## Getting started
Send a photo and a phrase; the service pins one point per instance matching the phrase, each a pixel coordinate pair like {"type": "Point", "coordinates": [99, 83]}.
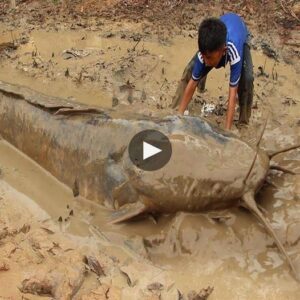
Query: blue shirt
{"type": "Point", "coordinates": [237, 35]}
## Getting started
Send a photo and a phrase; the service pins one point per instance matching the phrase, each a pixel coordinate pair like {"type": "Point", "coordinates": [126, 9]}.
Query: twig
{"type": "Point", "coordinates": [265, 65]}
{"type": "Point", "coordinates": [136, 44]}
{"type": "Point", "coordinates": [288, 10]}
{"type": "Point", "coordinates": [282, 6]}
{"type": "Point", "coordinates": [12, 37]}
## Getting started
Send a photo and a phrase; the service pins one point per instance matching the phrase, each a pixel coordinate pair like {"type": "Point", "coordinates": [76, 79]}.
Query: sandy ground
{"type": "Point", "coordinates": [129, 55]}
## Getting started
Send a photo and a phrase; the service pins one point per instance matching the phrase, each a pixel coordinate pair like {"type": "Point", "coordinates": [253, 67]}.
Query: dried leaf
{"type": "Point", "coordinates": [4, 266]}
{"type": "Point", "coordinates": [25, 228]}
{"type": "Point", "coordinates": [94, 265]}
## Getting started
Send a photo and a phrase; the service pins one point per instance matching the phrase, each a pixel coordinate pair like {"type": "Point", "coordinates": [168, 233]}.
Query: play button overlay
{"type": "Point", "coordinates": [150, 150]}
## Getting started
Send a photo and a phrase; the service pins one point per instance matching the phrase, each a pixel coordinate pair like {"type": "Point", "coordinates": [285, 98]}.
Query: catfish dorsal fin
{"type": "Point", "coordinates": [250, 203]}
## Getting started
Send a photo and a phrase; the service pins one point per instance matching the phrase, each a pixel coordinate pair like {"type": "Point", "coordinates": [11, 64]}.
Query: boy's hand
{"type": "Point", "coordinates": [176, 112]}
{"type": "Point", "coordinates": [187, 96]}
{"type": "Point", "coordinates": [180, 112]}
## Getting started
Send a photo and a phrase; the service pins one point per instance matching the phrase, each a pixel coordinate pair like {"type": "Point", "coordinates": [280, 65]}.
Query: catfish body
{"type": "Point", "coordinates": [89, 147]}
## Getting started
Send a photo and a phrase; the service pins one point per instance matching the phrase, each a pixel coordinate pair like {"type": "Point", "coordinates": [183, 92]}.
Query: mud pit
{"type": "Point", "coordinates": [120, 65]}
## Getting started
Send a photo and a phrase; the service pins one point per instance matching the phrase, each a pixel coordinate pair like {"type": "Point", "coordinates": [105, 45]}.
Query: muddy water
{"type": "Point", "coordinates": [88, 94]}
{"type": "Point", "coordinates": [154, 62]}
{"type": "Point", "coordinates": [226, 249]}
{"type": "Point", "coordinates": [153, 67]}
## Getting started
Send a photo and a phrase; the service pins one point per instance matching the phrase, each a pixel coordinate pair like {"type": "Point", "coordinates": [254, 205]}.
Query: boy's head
{"type": "Point", "coordinates": [212, 41]}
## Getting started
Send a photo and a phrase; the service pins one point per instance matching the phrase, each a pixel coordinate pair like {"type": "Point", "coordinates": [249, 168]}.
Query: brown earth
{"type": "Point", "coordinates": [130, 55]}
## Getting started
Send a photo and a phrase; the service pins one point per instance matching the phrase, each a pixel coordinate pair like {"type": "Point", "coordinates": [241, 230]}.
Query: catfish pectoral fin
{"type": "Point", "coordinates": [128, 211]}
{"type": "Point", "coordinates": [250, 203]}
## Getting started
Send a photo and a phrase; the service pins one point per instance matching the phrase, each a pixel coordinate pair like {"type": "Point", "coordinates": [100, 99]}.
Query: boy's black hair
{"type": "Point", "coordinates": [211, 35]}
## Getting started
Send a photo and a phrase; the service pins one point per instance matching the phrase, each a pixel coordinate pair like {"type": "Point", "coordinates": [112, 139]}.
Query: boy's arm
{"type": "Point", "coordinates": [235, 54]}
{"type": "Point", "coordinates": [231, 106]}
{"type": "Point", "coordinates": [187, 95]}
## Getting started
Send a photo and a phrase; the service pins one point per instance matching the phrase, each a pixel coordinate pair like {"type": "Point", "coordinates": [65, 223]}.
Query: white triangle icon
{"type": "Point", "coordinates": [149, 150]}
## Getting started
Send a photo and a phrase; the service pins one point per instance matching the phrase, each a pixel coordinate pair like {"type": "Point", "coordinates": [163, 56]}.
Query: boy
{"type": "Point", "coordinates": [220, 41]}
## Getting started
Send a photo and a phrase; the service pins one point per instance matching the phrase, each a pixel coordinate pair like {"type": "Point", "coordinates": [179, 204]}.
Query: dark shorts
{"type": "Point", "coordinates": [245, 88]}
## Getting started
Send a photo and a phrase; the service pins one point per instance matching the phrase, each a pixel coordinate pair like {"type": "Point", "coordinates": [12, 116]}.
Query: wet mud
{"type": "Point", "coordinates": [210, 246]}
{"type": "Point", "coordinates": [46, 234]}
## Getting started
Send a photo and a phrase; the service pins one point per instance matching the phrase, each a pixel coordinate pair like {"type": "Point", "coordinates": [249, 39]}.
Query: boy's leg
{"type": "Point", "coordinates": [245, 89]}
{"type": "Point", "coordinates": [201, 84]}
{"type": "Point", "coordinates": [185, 78]}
